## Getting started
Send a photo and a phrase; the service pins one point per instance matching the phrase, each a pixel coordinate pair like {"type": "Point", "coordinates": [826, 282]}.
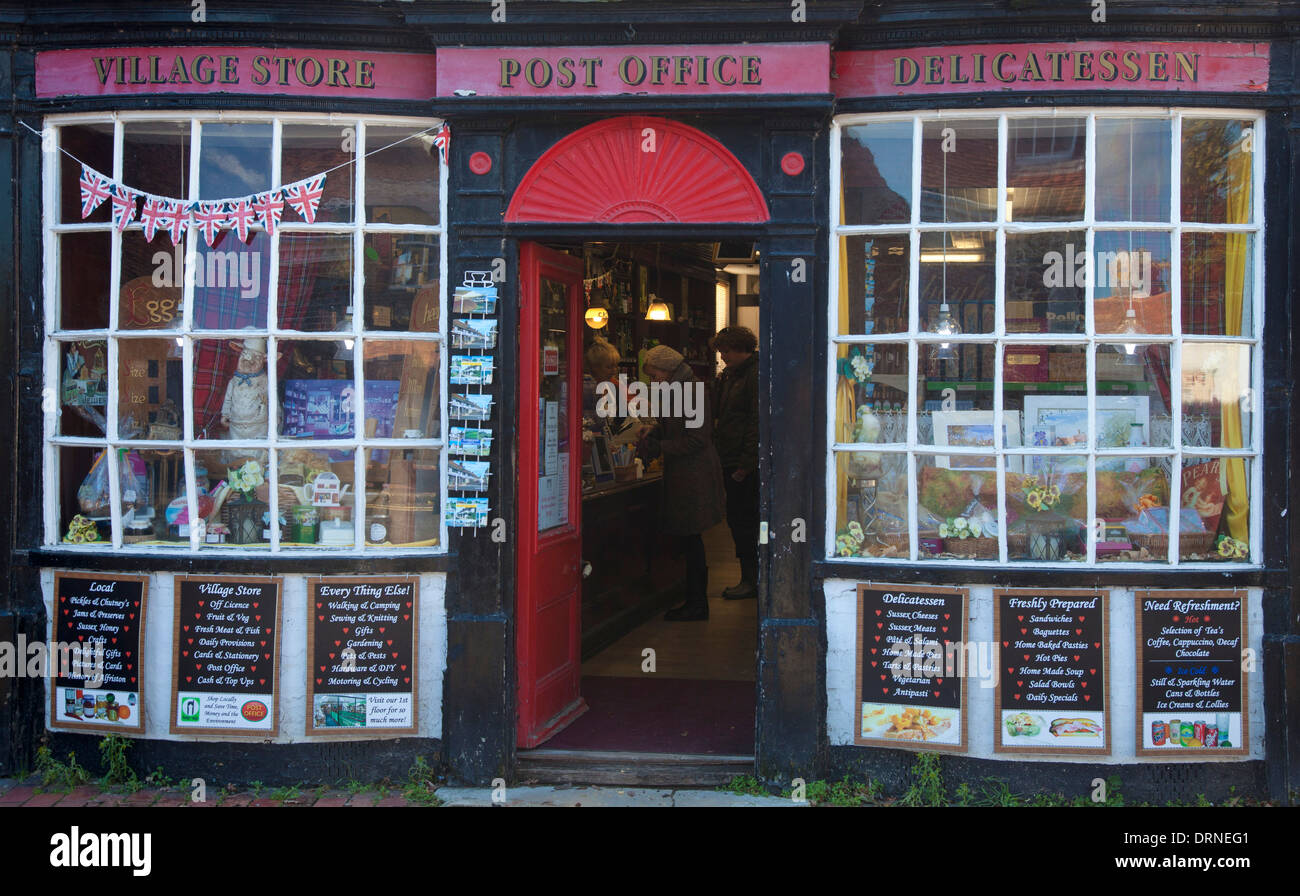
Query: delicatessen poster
{"type": "Point", "coordinates": [1191, 678]}
{"type": "Point", "coordinates": [910, 688]}
{"type": "Point", "coordinates": [1052, 671]}
{"type": "Point", "coordinates": [94, 664]}
{"type": "Point", "coordinates": [225, 657]}
{"type": "Point", "coordinates": [362, 640]}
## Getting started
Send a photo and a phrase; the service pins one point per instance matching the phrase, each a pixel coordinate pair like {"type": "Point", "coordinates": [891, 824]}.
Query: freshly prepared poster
{"type": "Point", "coordinates": [910, 690]}
{"type": "Point", "coordinates": [94, 665]}
{"type": "Point", "coordinates": [361, 635]}
{"type": "Point", "coordinates": [225, 656]}
{"type": "Point", "coordinates": [1191, 683]}
{"type": "Point", "coordinates": [1052, 671]}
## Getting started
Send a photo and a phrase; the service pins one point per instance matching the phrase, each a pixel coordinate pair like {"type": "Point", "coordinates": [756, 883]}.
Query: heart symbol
{"type": "Point", "coordinates": [406, 617]}
{"type": "Point", "coordinates": [345, 629]}
{"type": "Point", "coordinates": [198, 666]}
{"type": "Point", "coordinates": [268, 631]}
{"type": "Point", "coordinates": [408, 605]}
{"type": "Point", "coordinates": [885, 690]}
{"type": "Point", "coordinates": [1083, 683]}
{"type": "Point", "coordinates": [115, 640]}
{"type": "Point", "coordinates": [132, 679]}
{"type": "Point", "coordinates": [198, 615]}
{"type": "Point", "coordinates": [331, 656]}
{"type": "Point", "coordinates": [1020, 619]}
{"type": "Point", "coordinates": [252, 668]}
{"type": "Point", "coordinates": [135, 603]}
{"type": "Point", "coordinates": [873, 663]}
{"type": "Point", "coordinates": [873, 650]}
{"type": "Point", "coordinates": [403, 667]}
{"type": "Point", "coordinates": [319, 605]}
{"type": "Point", "coordinates": [381, 629]}
{"type": "Point", "coordinates": [321, 618]}
{"type": "Point", "coordinates": [936, 693]}
{"type": "Point", "coordinates": [1175, 619]}
{"type": "Point", "coordinates": [880, 625]}
{"type": "Point", "coordinates": [1205, 618]}
{"type": "Point", "coordinates": [318, 681]}
{"type": "Point", "coordinates": [1026, 657]}
{"type": "Point", "coordinates": [1092, 671]}
{"type": "Point", "coordinates": [186, 627]}
{"type": "Point", "coordinates": [130, 615]}
{"type": "Point", "coordinates": [201, 603]}
{"type": "Point", "coordinates": [1081, 619]}
{"type": "Point", "coordinates": [882, 677]}
{"type": "Point", "coordinates": [65, 612]}
{"type": "Point", "coordinates": [267, 655]}
{"type": "Point", "coordinates": [128, 653]}
{"type": "Point", "coordinates": [1076, 657]}
{"type": "Point", "coordinates": [258, 618]}
{"type": "Point", "coordinates": [390, 642]}
{"type": "Point", "coordinates": [255, 605]}
{"type": "Point", "coordinates": [1010, 670]}
{"type": "Point", "coordinates": [185, 653]}
{"type": "Point", "coordinates": [263, 643]}
{"type": "Point", "coordinates": [64, 600]}
{"type": "Point", "coordinates": [1078, 631]}
{"type": "Point", "coordinates": [1020, 684]}
{"type": "Point", "coordinates": [322, 668]}
{"type": "Point", "coordinates": [188, 678]}
{"type": "Point", "coordinates": [877, 637]}
{"type": "Point", "coordinates": [1006, 643]}
{"type": "Point", "coordinates": [944, 627]}
{"type": "Point", "coordinates": [1017, 696]}
{"type": "Point", "coordinates": [261, 681]}
{"type": "Point", "coordinates": [407, 679]}
{"type": "Point", "coordinates": [877, 612]}
{"type": "Point", "coordinates": [1097, 644]}
{"type": "Point", "coordinates": [945, 615]}
{"type": "Point", "coordinates": [337, 643]}
{"type": "Point", "coordinates": [938, 681]}
{"type": "Point", "coordinates": [395, 654]}
{"type": "Point", "coordinates": [1024, 631]}
{"type": "Point", "coordinates": [130, 666]}
{"type": "Point", "coordinates": [81, 637]}
{"type": "Point", "coordinates": [126, 628]}
{"type": "Point", "coordinates": [1087, 697]}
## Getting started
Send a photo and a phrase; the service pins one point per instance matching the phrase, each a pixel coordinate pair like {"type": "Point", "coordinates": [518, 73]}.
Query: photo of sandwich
{"type": "Point", "coordinates": [1075, 728]}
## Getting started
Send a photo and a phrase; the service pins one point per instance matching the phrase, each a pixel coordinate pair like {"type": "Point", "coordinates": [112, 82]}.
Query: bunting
{"type": "Point", "coordinates": [442, 140]}
{"type": "Point", "coordinates": [304, 197]}
{"type": "Point", "coordinates": [95, 188]}
{"type": "Point", "coordinates": [123, 205]}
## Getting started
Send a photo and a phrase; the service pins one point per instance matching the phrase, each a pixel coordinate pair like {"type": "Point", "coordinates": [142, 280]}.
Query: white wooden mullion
{"type": "Point", "coordinates": [1257, 443]}
{"type": "Point", "coordinates": [443, 272]}
{"type": "Point", "coordinates": [359, 227]}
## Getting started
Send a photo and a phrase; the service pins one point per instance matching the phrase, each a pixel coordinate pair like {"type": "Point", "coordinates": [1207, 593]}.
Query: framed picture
{"type": "Point", "coordinates": [974, 429]}
{"type": "Point", "coordinates": [1061, 421]}
{"type": "Point", "coordinates": [601, 461]}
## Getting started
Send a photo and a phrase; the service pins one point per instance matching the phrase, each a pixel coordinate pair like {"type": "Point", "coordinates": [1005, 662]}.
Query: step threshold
{"type": "Point", "coordinates": [629, 769]}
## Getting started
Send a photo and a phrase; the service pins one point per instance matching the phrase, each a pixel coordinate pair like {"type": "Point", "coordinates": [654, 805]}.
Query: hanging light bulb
{"type": "Point", "coordinates": [596, 317]}
{"type": "Point", "coordinates": [945, 325]}
{"type": "Point", "coordinates": [658, 309]}
{"type": "Point", "coordinates": [1129, 328]}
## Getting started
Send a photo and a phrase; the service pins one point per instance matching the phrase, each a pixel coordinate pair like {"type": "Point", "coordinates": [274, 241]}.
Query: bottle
{"type": "Point", "coordinates": [379, 521]}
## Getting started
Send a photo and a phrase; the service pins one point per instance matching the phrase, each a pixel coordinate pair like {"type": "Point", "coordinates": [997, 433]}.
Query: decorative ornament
{"type": "Point", "coordinates": [269, 206]}
{"type": "Point", "coordinates": [95, 188]}
{"type": "Point", "coordinates": [123, 206]}
{"type": "Point", "coordinates": [152, 217]}
{"type": "Point", "coordinates": [240, 217]}
{"type": "Point", "coordinates": [304, 197]}
{"type": "Point", "coordinates": [209, 216]}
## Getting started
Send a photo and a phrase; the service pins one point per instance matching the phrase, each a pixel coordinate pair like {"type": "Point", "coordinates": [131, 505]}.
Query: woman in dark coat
{"type": "Point", "coordinates": [693, 489]}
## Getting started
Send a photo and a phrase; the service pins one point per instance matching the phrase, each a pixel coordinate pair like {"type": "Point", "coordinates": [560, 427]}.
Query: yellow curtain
{"type": "Point", "coordinates": [845, 406]}
{"type": "Point", "coordinates": [1236, 506]}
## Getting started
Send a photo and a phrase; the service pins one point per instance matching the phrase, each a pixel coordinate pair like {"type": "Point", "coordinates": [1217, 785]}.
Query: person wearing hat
{"type": "Point", "coordinates": [693, 493]}
{"type": "Point", "coordinates": [244, 410]}
{"type": "Point", "coordinates": [736, 436]}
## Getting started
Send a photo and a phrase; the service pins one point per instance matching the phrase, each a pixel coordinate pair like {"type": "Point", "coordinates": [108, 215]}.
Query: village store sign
{"type": "Point", "coordinates": [256, 70]}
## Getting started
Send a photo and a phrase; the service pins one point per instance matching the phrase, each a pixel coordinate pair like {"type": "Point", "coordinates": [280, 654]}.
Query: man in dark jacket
{"type": "Point", "coordinates": [736, 436]}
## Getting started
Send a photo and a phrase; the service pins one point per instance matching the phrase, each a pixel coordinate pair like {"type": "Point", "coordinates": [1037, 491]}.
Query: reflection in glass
{"type": "Point", "coordinates": [1132, 510]}
{"type": "Point", "coordinates": [1133, 169]}
{"type": "Point", "coordinates": [1046, 508]}
{"type": "Point", "coordinates": [83, 388]}
{"type": "Point", "coordinates": [402, 496]}
{"type": "Point", "coordinates": [235, 159]}
{"type": "Point", "coordinates": [871, 393]}
{"type": "Point", "coordinates": [1216, 384]}
{"type": "Point", "coordinates": [959, 269]}
{"type": "Point", "coordinates": [92, 144]}
{"type": "Point", "coordinates": [402, 380]}
{"type": "Point", "coordinates": [874, 275]}
{"type": "Point", "coordinates": [149, 389]}
{"type": "Point", "coordinates": [1046, 278]}
{"type": "Point", "coordinates": [315, 291]}
{"type": "Point", "coordinates": [876, 166]}
{"type": "Point", "coordinates": [959, 170]}
{"type": "Point", "coordinates": [957, 504]}
{"type": "Point", "coordinates": [1132, 275]}
{"type": "Point", "coordinates": [402, 179]}
{"type": "Point", "coordinates": [153, 283]}
{"type": "Point", "coordinates": [156, 157]}
{"type": "Point", "coordinates": [1218, 280]}
{"type": "Point", "coordinates": [1217, 175]}
{"type": "Point", "coordinates": [151, 481]}
{"type": "Point", "coordinates": [309, 149]}
{"type": "Point", "coordinates": [402, 286]}
{"type": "Point", "coordinates": [84, 266]}
{"type": "Point", "coordinates": [1045, 169]}
{"type": "Point", "coordinates": [231, 280]}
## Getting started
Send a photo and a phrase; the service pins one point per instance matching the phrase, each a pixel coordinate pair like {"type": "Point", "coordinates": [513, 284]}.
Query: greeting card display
{"type": "Point", "coordinates": [94, 665]}
{"type": "Point", "coordinates": [1191, 685]}
{"type": "Point", "coordinates": [361, 634]}
{"type": "Point", "coordinates": [910, 677]}
{"type": "Point", "coordinates": [225, 656]}
{"type": "Point", "coordinates": [466, 406]}
{"type": "Point", "coordinates": [1052, 671]}
{"type": "Point", "coordinates": [471, 370]}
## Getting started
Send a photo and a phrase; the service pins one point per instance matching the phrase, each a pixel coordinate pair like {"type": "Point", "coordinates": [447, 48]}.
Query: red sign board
{"type": "Point", "coordinates": [1180, 66]}
{"type": "Point", "coordinates": [248, 70]}
{"type": "Point", "coordinates": [747, 69]}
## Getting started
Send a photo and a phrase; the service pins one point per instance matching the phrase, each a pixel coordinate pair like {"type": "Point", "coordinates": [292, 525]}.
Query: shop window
{"type": "Point", "coordinates": [1045, 338]}
{"type": "Point", "coordinates": [283, 389]}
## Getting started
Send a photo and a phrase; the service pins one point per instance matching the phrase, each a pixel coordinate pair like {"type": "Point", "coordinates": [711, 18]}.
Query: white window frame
{"type": "Point", "coordinates": [913, 449]}
{"type": "Point", "coordinates": [358, 228]}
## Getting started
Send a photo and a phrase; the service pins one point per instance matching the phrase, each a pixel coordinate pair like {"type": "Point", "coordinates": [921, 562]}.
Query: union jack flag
{"type": "Point", "coordinates": [240, 217]}
{"type": "Point", "coordinates": [123, 205]}
{"type": "Point", "coordinates": [153, 216]}
{"type": "Point", "coordinates": [269, 207]}
{"type": "Point", "coordinates": [178, 219]}
{"type": "Point", "coordinates": [210, 216]}
{"type": "Point", "coordinates": [304, 197]}
{"type": "Point", "coordinates": [442, 140]}
{"type": "Point", "coordinates": [95, 188]}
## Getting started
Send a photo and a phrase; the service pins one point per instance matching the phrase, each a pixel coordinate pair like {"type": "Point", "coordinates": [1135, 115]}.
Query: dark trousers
{"type": "Point", "coordinates": [742, 518]}
{"type": "Point", "coordinates": [697, 569]}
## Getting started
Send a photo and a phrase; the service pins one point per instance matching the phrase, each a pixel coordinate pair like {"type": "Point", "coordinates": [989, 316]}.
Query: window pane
{"type": "Point", "coordinates": [84, 266]}
{"type": "Point", "coordinates": [1133, 164]}
{"type": "Point", "coordinates": [1133, 510]}
{"type": "Point", "coordinates": [234, 494]}
{"type": "Point", "coordinates": [1218, 280]}
{"type": "Point", "coordinates": [1215, 520]}
{"type": "Point", "coordinates": [963, 373]}
{"type": "Point", "coordinates": [231, 279]}
{"type": "Point", "coordinates": [230, 384]}
{"type": "Point", "coordinates": [1055, 412]}
{"type": "Point", "coordinates": [153, 283]}
{"type": "Point", "coordinates": [84, 492]}
{"type": "Point", "coordinates": [149, 389]}
{"type": "Point", "coordinates": [1216, 395]}
{"type": "Point", "coordinates": [957, 506]}
{"type": "Point", "coordinates": [959, 269]}
{"type": "Point", "coordinates": [235, 159]}
{"type": "Point", "coordinates": [317, 498]}
{"type": "Point", "coordinates": [872, 500]}
{"type": "Point", "coordinates": [155, 478]}
{"type": "Point", "coordinates": [402, 180]}
{"type": "Point", "coordinates": [871, 393]}
{"type": "Point", "coordinates": [402, 285]}
{"type": "Point", "coordinates": [315, 281]}
{"type": "Point", "coordinates": [1045, 169]}
{"type": "Point", "coordinates": [402, 497]}
{"type": "Point", "coordinates": [1046, 278]}
{"type": "Point", "coordinates": [959, 170]}
{"type": "Point", "coordinates": [874, 279]}
{"type": "Point", "coordinates": [1132, 273]}
{"type": "Point", "coordinates": [403, 378]}
{"type": "Point", "coordinates": [1046, 508]}
{"type": "Point", "coordinates": [316, 389]}
{"type": "Point", "coordinates": [1217, 177]}
{"type": "Point", "coordinates": [876, 173]}
{"type": "Point", "coordinates": [1133, 396]}
{"type": "Point", "coordinates": [83, 388]}
{"type": "Point", "coordinates": [156, 157]}
{"type": "Point", "coordinates": [92, 144]}
{"type": "Point", "coordinates": [309, 149]}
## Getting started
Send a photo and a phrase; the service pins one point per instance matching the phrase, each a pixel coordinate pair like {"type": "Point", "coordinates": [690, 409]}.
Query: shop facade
{"type": "Point", "coordinates": [1025, 299]}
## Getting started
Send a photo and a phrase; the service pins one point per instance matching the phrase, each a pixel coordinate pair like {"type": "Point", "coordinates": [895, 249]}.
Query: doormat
{"type": "Point", "coordinates": [663, 715]}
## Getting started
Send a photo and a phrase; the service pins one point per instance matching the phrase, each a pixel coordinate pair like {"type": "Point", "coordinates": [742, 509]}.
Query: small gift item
{"type": "Point", "coordinates": [244, 410]}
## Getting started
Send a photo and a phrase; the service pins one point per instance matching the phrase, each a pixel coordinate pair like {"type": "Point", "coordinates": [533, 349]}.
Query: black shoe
{"type": "Point", "coordinates": [738, 588]}
{"type": "Point", "coordinates": [743, 591]}
{"type": "Point", "coordinates": [688, 612]}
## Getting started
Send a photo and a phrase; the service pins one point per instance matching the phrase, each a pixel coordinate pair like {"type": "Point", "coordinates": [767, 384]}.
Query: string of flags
{"type": "Point", "coordinates": [211, 216]}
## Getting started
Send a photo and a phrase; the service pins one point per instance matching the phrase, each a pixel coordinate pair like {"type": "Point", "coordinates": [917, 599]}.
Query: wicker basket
{"type": "Point", "coordinates": [893, 545]}
{"type": "Point", "coordinates": [983, 548]}
{"type": "Point", "coordinates": [1157, 544]}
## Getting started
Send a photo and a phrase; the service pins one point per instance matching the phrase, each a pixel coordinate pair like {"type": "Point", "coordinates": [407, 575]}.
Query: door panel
{"type": "Point", "coordinates": [548, 612]}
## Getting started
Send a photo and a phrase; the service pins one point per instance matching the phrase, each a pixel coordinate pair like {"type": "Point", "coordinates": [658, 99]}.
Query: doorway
{"type": "Point", "coordinates": [601, 672]}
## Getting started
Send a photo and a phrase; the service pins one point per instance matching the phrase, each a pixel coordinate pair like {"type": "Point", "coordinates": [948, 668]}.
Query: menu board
{"type": "Point", "coordinates": [225, 657]}
{"type": "Point", "coordinates": [910, 677]}
{"type": "Point", "coordinates": [95, 661]}
{"type": "Point", "coordinates": [1052, 671]}
{"type": "Point", "coordinates": [1191, 683]}
{"type": "Point", "coordinates": [362, 637]}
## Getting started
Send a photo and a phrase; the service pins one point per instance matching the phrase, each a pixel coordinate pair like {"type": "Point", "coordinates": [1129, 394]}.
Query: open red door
{"type": "Point", "coordinates": [549, 609]}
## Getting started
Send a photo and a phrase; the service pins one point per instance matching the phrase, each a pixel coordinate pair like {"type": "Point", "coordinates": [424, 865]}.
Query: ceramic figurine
{"type": "Point", "coordinates": [244, 411]}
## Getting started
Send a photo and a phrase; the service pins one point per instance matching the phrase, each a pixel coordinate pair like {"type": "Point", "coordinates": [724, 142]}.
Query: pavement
{"type": "Point", "coordinates": [25, 793]}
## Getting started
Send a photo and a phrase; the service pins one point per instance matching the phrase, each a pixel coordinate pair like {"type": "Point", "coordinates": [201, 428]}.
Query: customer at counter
{"type": "Point", "coordinates": [693, 491]}
{"type": "Point", "coordinates": [602, 367]}
{"type": "Point", "coordinates": [736, 437]}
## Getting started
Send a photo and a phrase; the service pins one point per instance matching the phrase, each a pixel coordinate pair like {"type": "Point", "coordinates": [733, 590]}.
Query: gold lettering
{"type": "Point", "coordinates": [1131, 70]}
{"type": "Point", "coordinates": [318, 72]}
{"type": "Point", "coordinates": [202, 75]}
{"type": "Point", "coordinates": [749, 70]}
{"type": "Point", "coordinates": [179, 73]}
{"type": "Point", "coordinates": [1055, 60]}
{"type": "Point", "coordinates": [338, 76]}
{"type": "Point", "coordinates": [998, 61]}
{"type": "Point", "coordinates": [631, 70]}
{"type": "Point", "coordinates": [659, 68]}
{"type": "Point", "coordinates": [1083, 66]}
{"type": "Point", "coordinates": [564, 73]}
{"type": "Point", "coordinates": [1031, 71]}
{"type": "Point", "coordinates": [1106, 59]}
{"type": "Point", "coordinates": [102, 67]}
{"type": "Point", "coordinates": [366, 73]}
{"type": "Point", "coordinates": [1187, 63]}
{"type": "Point", "coordinates": [906, 71]}
{"type": "Point", "coordinates": [954, 70]}
{"type": "Point", "coordinates": [718, 63]}
{"type": "Point", "coordinates": [510, 69]}
{"type": "Point", "coordinates": [933, 70]}
{"type": "Point", "coordinates": [589, 64]}
{"type": "Point", "coordinates": [1156, 66]}
{"type": "Point", "coordinates": [229, 70]}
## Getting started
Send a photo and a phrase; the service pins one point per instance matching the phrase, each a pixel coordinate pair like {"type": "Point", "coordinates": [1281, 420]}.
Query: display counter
{"type": "Point", "coordinates": [635, 570]}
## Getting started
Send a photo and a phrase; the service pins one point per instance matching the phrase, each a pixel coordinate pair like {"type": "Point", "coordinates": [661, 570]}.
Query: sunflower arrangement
{"type": "Point", "coordinates": [1040, 496]}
